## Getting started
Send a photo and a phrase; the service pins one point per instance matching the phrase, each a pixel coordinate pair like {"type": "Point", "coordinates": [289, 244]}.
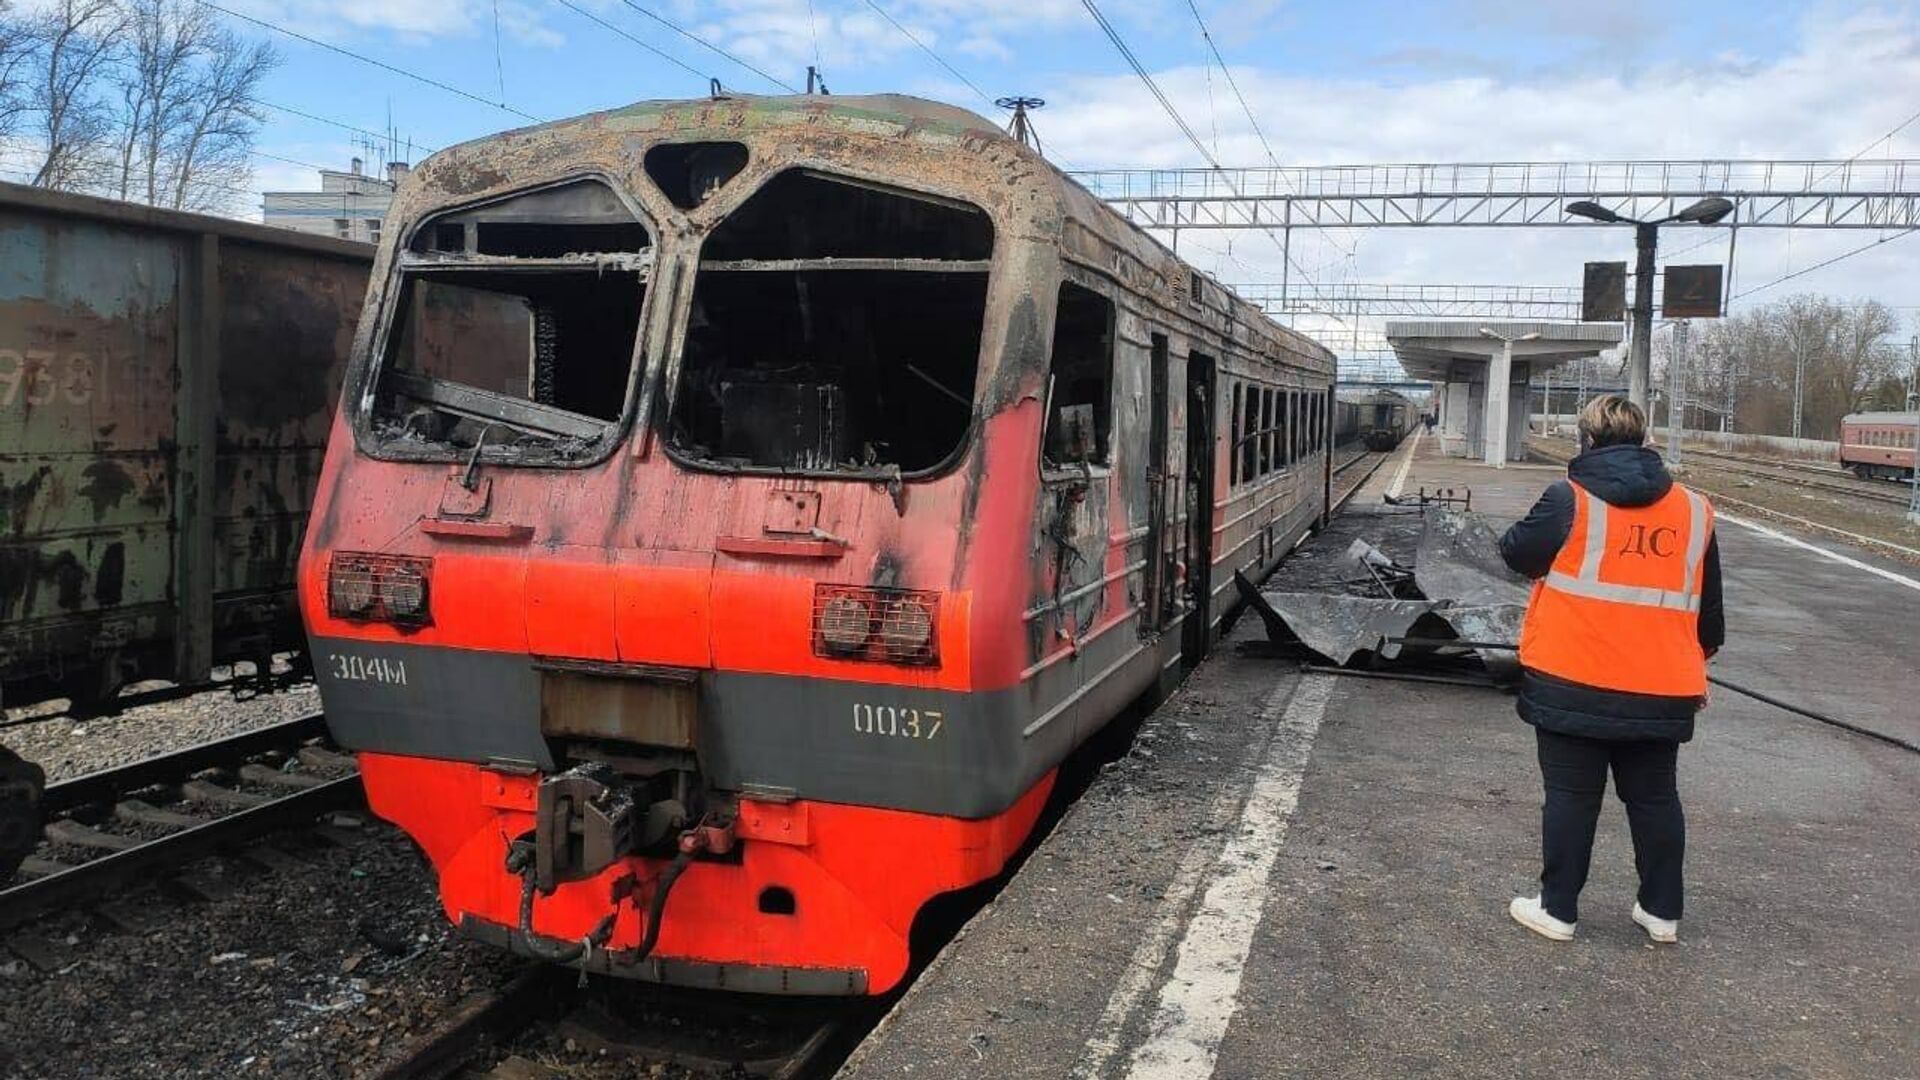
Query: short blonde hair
{"type": "Point", "coordinates": [1611, 420]}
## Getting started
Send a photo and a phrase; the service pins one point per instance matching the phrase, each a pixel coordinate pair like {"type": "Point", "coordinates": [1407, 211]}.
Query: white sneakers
{"type": "Point", "coordinates": [1665, 931]}
{"type": "Point", "coordinates": [1526, 911]}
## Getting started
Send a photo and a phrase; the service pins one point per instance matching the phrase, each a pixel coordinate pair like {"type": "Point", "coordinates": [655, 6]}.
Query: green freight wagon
{"type": "Point", "coordinates": [167, 381]}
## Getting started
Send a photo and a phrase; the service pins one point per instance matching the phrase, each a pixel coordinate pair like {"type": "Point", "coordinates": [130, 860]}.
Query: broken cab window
{"type": "Point", "coordinates": [538, 356]}
{"type": "Point", "coordinates": [1080, 423]}
{"type": "Point", "coordinates": [514, 325]}
{"type": "Point", "coordinates": [835, 327]}
{"type": "Point", "coordinates": [582, 217]}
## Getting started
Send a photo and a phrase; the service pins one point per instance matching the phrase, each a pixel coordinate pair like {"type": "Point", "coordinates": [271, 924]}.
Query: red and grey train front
{"type": "Point", "coordinates": [656, 563]}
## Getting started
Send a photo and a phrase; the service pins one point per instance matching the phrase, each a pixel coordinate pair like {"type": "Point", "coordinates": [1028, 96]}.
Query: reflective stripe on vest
{"type": "Point", "coordinates": [1589, 585]}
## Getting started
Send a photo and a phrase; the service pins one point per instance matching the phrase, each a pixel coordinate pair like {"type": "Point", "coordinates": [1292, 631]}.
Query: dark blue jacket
{"type": "Point", "coordinates": [1619, 476]}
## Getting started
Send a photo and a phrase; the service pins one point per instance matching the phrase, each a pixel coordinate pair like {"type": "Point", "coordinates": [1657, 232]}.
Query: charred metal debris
{"type": "Point", "coordinates": [1452, 612]}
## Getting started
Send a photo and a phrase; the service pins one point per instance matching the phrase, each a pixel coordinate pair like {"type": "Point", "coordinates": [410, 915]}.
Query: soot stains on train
{"type": "Point", "coordinates": [515, 328]}
{"type": "Point", "coordinates": [835, 327]}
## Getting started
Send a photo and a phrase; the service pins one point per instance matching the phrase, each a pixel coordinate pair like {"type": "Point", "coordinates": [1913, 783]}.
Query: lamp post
{"type": "Point", "coordinates": [1646, 239]}
{"type": "Point", "coordinates": [1499, 377]}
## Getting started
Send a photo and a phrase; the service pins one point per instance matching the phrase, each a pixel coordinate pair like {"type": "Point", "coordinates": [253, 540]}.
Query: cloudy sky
{"type": "Point", "coordinates": [1329, 83]}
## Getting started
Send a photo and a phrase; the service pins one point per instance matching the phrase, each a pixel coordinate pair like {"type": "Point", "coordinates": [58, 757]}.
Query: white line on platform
{"type": "Point", "coordinates": [1199, 998]}
{"type": "Point", "coordinates": [1406, 462]}
{"type": "Point", "coordinates": [1843, 560]}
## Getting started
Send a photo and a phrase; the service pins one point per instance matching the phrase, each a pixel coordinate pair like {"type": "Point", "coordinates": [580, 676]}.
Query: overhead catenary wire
{"type": "Point", "coordinates": [370, 61]}
{"type": "Point", "coordinates": [319, 119]}
{"type": "Point", "coordinates": [934, 56]}
{"type": "Point", "coordinates": [661, 53]}
{"type": "Point", "coordinates": [1234, 85]}
{"type": "Point", "coordinates": [711, 47]}
{"type": "Point", "coordinates": [1824, 263]}
{"type": "Point", "coordinates": [1862, 152]}
{"type": "Point", "coordinates": [1139, 69]}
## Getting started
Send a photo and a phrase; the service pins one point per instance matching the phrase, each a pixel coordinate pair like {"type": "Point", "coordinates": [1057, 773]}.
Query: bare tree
{"type": "Point", "coordinates": [74, 40]}
{"type": "Point", "coordinates": [15, 50]}
{"type": "Point", "coordinates": [1839, 353]}
{"type": "Point", "coordinates": [209, 149]}
{"type": "Point", "coordinates": [163, 40]}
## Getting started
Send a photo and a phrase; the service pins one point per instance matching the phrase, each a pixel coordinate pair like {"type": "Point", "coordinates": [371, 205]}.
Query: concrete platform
{"type": "Point", "coordinates": [1306, 875]}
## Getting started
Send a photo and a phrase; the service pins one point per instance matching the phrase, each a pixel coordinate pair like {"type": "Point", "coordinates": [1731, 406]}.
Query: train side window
{"type": "Point", "coordinates": [1080, 425]}
{"type": "Point", "coordinates": [1296, 426]}
{"type": "Point", "coordinates": [1250, 435]}
{"type": "Point", "coordinates": [1233, 439]}
{"type": "Point", "coordinates": [835, 327]}
{"type": "Point", "coordinates": [1266, 432]}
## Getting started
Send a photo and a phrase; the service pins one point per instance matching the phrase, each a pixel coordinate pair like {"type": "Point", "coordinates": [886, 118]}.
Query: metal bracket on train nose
{"type": "Point", "coordinates": [584, 821]}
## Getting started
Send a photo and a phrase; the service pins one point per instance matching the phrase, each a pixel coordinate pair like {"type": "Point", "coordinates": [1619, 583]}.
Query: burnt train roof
{"type": "Point", "coordinates": [995, 170]}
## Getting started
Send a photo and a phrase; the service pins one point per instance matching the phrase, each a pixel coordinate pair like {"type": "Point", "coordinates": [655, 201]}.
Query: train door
{"type": "Point", "coordinates": [1198, 535]}
{"type": "Point", "coordinates": [1160, 602]}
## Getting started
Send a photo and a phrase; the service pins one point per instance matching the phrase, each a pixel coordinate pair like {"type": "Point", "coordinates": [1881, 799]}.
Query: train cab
{"type": "Point", "coordinates": [737, 510]}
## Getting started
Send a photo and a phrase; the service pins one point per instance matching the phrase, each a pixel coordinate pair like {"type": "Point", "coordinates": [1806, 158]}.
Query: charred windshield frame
{"type": "Point", "coordinates": [834, 355]}
{"type": "Point", "coordinates": [499, 428]}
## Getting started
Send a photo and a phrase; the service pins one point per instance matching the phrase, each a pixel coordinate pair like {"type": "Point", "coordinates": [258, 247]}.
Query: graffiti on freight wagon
{"type": "Point", "coordinates": [33, 377]}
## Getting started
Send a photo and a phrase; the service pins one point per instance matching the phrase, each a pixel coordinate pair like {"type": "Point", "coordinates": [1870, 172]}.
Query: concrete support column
{"type": "Point", "coordinates": [1494, 427]}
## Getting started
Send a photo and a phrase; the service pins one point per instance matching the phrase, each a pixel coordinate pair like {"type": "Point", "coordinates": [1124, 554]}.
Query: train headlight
{"type": "Point", "coordinates": [350, 587]}
{"type": "Point", "coordinates": [907, 628]}
{"type": "Point", "coordinates": [892, 626]}
{"type": "Point", "coordinates": [845, 623]}
{"type": "Point", "coordinates": [403, 589]}
{"type": "Point", "coordinates": [378, 588]}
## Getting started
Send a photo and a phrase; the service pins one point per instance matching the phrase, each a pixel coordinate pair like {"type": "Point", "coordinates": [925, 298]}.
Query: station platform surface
{"type": "Point", "coordinates": [1298, 874]}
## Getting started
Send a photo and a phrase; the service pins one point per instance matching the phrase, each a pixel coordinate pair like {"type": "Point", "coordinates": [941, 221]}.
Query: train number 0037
{"type": "Point", "coordinates": [897, 721]}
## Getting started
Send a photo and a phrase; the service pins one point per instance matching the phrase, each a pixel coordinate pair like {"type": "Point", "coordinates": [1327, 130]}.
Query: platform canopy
{"type": "Point", "coordinates": [1439, 350]}
{"type": "Point", "coordinates": [1480, 369]}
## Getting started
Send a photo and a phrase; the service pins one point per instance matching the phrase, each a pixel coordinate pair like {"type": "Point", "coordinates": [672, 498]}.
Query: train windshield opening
{"type": "Point", "coordinates": [515, 326]}
{"type": "Point", "coordinates": [835, 328]}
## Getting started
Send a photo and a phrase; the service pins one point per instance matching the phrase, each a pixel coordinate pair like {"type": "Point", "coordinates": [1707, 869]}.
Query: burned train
{"type": "Point", "coordinates": [738, 508]}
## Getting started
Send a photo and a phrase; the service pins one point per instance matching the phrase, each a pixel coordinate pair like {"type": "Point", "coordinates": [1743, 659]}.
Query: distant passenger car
{"type": "Point", "coordinates": [1879, 445]}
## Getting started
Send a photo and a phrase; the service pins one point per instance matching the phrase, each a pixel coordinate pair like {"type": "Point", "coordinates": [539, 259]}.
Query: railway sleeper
{"type": "Point", "coordinates": [67, 831]}
{"type": "Point", "coordinates": [213, 794]}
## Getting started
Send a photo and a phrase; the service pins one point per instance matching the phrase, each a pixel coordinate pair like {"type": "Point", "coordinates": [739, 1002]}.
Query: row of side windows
{"type": "Point", "coordinates": [1889, 437]}
{"type": "Point", "coordinates": [1273, 427]}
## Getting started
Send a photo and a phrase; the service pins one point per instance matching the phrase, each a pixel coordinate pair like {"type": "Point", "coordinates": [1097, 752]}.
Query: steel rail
{"type": "Point", "coordinates": [1809, 475]}
{"type": "Point", "coordinates": [92, 879]}
{"type": "Point", "coordinates": [107, 785]}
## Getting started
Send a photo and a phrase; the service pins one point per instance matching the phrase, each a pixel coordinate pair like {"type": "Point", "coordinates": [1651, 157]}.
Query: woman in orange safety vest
{"type": "Point", "coordinates": [1624, 615]}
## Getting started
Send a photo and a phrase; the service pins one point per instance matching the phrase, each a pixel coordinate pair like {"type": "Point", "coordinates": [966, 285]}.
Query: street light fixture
{"type": "Point", "coordinates": [1646, 235]}
{"type": "Point", "coordinates": [1499, 378]}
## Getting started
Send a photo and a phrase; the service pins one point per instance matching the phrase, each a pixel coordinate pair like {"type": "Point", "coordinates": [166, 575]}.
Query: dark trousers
{"type": "Point", "coordinates": [1574, 770]}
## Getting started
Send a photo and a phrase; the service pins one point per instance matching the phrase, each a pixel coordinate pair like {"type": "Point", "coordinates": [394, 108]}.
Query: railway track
{"type": "Point", "coordinates": [119, 826]}
{"type": "Point", "coordinates": [1372, 459]}
{"type": "Point", "coordinates": [542, 1023]}
{"type": "Point", "coordinates": [1806, 476]}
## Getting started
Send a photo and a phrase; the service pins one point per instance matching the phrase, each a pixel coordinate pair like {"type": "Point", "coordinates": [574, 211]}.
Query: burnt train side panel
{"type": "Point", "coordinates": [166, 381]}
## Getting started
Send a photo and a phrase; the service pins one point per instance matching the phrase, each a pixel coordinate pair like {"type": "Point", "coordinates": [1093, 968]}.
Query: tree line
{"type": "Point", "coordinates": [146, 100]}
{"type": "Point", "coordinates": [1845, 357]}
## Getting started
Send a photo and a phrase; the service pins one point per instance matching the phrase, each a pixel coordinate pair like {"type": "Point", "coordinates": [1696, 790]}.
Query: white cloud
{"type": "Point", "coordinates": [418, 20]}
{"type": "Point", "coordinates": [1826, 97]}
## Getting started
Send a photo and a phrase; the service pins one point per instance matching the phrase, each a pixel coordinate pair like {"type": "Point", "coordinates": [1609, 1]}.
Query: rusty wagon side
{"type": "Point", "coordinates": [166, 385]}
